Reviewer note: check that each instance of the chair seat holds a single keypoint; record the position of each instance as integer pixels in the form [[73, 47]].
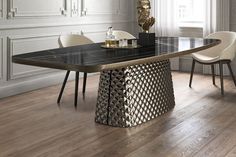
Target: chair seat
[[205, 59]]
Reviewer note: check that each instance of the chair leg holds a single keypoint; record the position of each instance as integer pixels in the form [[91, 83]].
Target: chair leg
[[221, 78], [84, 83], [63, 86], [213, 74], [231, 72], [192, 71], [76, 88]]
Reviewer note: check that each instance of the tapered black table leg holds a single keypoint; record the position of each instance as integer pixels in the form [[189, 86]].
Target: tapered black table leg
[[76, 88], [221, 78], [84, 83], [231, 72], [213, 74], [192, 71], [63, 87]]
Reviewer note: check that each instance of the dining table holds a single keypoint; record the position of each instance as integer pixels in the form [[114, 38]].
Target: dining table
[[135, 83]]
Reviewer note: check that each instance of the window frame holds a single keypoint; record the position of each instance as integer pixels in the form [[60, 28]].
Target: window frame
[[190, 23]]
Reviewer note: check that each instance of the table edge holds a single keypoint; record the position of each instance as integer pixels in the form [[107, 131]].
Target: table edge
[[99, 68]]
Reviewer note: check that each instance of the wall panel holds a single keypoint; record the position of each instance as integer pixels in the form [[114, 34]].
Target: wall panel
[[36, 8], [104, 7], [21, 45], [75, 8], [1, 58], [96, 36], [1, 9], [123, 7]]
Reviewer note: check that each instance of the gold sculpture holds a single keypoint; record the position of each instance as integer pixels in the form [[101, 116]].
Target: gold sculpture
[[144, 19]]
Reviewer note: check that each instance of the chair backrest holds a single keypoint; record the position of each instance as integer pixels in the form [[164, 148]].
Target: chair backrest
[[73, 40], [122, 35], [226, 49]]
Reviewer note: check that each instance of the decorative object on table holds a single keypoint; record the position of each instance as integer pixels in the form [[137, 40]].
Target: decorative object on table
[[110, 38], [145, 22], [129, 46], [146, 39], [134, 42], [119, 34], [119, 40]]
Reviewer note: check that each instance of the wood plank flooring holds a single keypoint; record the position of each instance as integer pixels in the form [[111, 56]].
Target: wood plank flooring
[[202, 124]]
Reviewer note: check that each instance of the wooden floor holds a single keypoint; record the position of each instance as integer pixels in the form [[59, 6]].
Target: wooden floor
[[202, 124]]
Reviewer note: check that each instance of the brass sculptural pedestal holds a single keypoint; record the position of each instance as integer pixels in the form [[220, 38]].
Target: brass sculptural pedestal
[[134, 95]]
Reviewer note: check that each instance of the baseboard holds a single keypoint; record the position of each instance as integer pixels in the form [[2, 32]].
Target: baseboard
[[33, 84]]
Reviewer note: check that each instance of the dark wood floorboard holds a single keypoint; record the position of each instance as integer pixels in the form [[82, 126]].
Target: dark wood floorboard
[[202, 124]]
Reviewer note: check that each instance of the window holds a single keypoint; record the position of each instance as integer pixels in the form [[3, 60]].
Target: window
[[190, 13]]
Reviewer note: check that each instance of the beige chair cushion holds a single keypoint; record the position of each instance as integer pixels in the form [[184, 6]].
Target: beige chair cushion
[[205, 59], [73, 40]]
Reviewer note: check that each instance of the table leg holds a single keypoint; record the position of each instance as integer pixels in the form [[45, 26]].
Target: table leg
[[134, 95]]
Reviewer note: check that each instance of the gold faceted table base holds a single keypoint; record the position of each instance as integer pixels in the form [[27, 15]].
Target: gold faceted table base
[[134, 95]]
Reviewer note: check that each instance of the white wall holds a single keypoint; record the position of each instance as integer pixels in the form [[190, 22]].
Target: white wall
[[33, 25]]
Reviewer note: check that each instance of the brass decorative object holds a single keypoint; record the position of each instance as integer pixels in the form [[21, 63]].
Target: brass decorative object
[[144, 19]]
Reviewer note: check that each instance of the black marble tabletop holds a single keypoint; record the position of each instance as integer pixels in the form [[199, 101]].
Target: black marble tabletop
[[93, 58]]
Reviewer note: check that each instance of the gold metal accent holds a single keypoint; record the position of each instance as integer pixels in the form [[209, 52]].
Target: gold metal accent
[[144, 19], [118, 47]]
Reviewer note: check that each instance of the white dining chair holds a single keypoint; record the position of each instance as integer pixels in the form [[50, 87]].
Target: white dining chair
[[122, 35], [67, 41], [221, 54]]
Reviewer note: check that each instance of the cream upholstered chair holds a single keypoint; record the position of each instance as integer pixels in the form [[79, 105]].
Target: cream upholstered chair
[[67, 41], [122, 35], [221, 54]]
